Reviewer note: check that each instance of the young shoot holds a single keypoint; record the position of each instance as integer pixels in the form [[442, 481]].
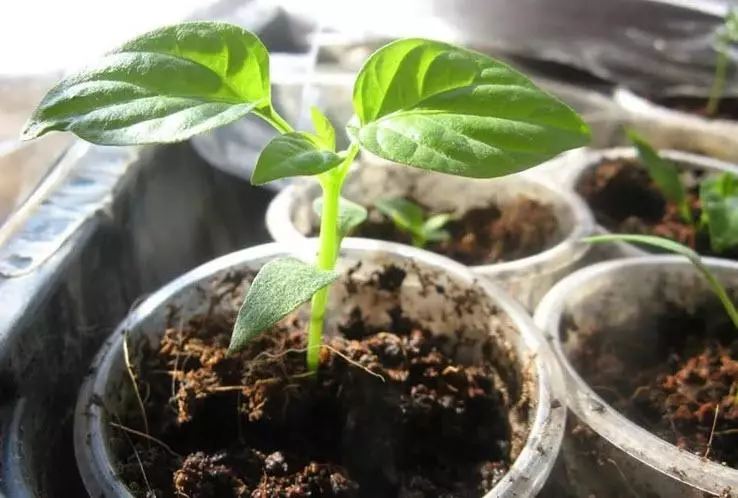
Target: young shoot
[[664, 174], [409, 217], [676, 248], [727, 34], [718, 196], [417, 102]]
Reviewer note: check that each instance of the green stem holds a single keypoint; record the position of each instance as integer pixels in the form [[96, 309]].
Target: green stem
[[331, 181], [719, 290], [683, 250], [417, 240], [273, 118], [718, 84], [686, 212]]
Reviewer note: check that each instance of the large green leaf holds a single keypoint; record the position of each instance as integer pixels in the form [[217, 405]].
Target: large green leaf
[[163, 86], [278, 289], [436, 106], [663, 173], [292, 154], [719, 198]]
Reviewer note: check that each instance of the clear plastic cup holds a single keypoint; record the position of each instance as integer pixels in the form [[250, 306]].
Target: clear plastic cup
[[290, 216], [531, 362], [622, 458]]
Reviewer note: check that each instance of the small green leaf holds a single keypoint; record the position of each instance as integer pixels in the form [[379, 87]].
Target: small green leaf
[[437, 221], [437, 235], [719, 198], [278, 289], [676, 248], [324, 129], [292, 154], [731, 25], [350, 215], [435, 106], [164, 86], [404, 213], [664, 174], [649, 240]]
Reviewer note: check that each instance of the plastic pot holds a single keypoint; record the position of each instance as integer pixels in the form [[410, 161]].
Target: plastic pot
[[622, 295], [290, 217], [526, 358], [667, 128], [574, 166]]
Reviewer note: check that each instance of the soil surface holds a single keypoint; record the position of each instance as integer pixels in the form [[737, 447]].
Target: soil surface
[[387, 414], [683, 387], [624, 199], [727, 108], [485, 235]]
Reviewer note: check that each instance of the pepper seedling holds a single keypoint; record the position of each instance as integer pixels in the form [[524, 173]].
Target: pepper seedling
[[727, 34], [409, 217], [682, 250], [417, 102], [718, 196]]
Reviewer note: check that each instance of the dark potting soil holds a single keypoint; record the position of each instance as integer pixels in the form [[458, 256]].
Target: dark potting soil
[[401, 418], [727, 108], [683, 387], [485, 235], [624, 199]]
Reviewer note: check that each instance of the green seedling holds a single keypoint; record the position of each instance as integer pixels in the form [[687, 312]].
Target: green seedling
[[417, 102], [718, 196], [409, 217], [727, 34], [664, 174], [676, 248]]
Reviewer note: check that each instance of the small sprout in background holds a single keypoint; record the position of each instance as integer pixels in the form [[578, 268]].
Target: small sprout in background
[[719, 200], [676, 248], [718, 196], [409, 217], [179, 81], [664, 174], [728, 34]]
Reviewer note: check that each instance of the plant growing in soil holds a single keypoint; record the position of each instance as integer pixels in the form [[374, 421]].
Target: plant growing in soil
[[682, 250], [417, 102], [718, 197], [409, 217], [728, 34]]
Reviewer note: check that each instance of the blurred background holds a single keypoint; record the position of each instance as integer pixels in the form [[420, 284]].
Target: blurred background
[[651, 46]]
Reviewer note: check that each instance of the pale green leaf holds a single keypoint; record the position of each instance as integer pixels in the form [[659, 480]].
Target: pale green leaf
[[292, 154], [664, 174], [719, 199], [435, 106], [350, 215], [405, 214], [436, 235], [323, 129], [434, 224], [164, 86], [278, 289], [676, 248]]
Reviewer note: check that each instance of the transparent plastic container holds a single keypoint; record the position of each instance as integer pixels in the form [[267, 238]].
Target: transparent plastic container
[[667, 128], [624, 459], [539, 413], [290, 216], [574, 166]]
